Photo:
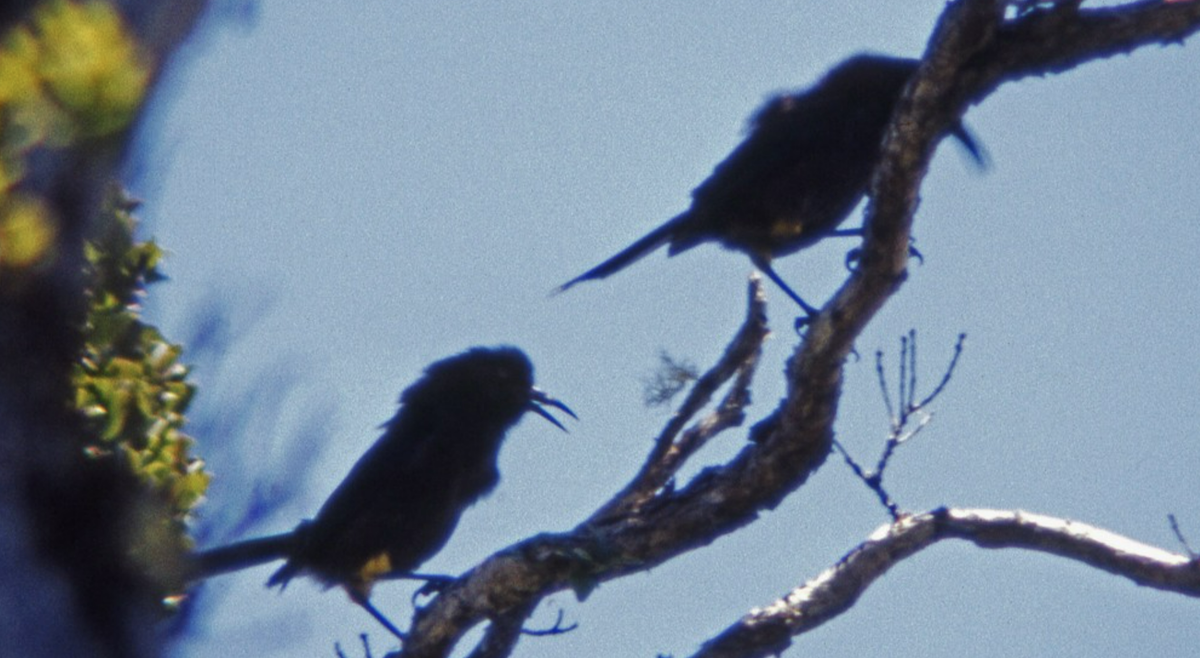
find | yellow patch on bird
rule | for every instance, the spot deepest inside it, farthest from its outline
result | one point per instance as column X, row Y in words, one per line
column 375, row 567
column 786, row 229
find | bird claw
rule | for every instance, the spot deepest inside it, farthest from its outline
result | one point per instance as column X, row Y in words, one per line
column 855, row 254
column 913, row 252
column 433, row 585
column 852, row 258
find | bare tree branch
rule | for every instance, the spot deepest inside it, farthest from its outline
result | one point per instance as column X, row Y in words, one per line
column 769, row 630
column 669, row 453
column 974, row 49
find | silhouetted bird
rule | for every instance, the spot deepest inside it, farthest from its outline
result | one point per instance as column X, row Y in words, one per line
column 403, row 498
column 803, row 167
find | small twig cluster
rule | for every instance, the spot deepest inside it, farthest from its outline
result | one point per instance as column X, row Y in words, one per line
column 906, row 417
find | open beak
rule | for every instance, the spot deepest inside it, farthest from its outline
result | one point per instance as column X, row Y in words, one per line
column 537, row 398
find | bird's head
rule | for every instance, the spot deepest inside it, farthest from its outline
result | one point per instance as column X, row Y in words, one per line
column 484, row 383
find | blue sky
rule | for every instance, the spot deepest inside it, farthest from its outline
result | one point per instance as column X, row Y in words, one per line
column 369, row 191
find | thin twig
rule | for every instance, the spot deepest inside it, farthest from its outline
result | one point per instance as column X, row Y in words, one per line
column 912, row 370
column 883, row 387
column 873, row 481
column 958, row 350
column 1179, row 535
column 905, row 394
column 556, row 629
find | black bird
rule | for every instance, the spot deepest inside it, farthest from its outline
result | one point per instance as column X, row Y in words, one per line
column 402, row 500
column 803, row 167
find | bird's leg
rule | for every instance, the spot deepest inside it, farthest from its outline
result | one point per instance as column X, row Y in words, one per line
column 361, row 599
column 765, row 266
column 846, row 233
column 434, row 583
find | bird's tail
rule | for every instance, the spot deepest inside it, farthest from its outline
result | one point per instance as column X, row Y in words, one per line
column 241, row 555
column 652, row 240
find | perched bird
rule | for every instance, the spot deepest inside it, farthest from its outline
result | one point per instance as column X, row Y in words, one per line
column 401, row 501
column 804, row 165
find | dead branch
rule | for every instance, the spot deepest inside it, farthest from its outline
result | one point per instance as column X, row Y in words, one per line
column 768, row 630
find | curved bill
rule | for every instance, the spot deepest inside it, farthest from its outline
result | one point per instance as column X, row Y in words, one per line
column 537, row 398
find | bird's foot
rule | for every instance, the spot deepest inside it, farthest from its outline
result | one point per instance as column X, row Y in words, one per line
column 852, row 258
column 433, row 585
column 855, row 254
column 913, row 252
